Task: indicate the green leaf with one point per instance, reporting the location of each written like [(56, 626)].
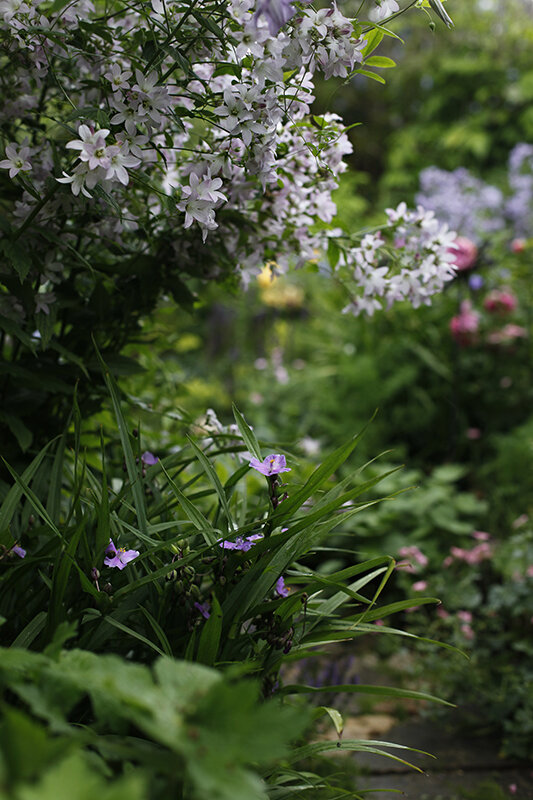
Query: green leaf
[(214, 480), (380, 61), (210, 637), (22, 434), (247, 434), (134, 474), (359, 688), (31, 630), (158, 630), (12, 500), (334, 715), (319, 476), (34, 500), (368, 74), (196, 517)]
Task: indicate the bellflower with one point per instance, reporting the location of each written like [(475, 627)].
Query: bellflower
[(276, 12), (118, 556), (272, 465)]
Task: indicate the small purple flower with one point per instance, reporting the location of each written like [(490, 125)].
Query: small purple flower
[(204, 609), (149, 459), (277, 13), (272, 465), (19, 551), (118, 556), (241, 542), (281, 589), (475, 282)]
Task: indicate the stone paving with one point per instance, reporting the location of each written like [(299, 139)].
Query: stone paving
[(465, 766)]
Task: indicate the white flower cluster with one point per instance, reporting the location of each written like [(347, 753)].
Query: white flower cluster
[(409, 259), (187, 122)]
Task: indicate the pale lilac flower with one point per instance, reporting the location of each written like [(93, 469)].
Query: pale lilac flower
[(149, 459), (272, 465), (17, 160), (204, 609), (18, 550), (118, 159), (281, 589), (117, 78), (276, 12), (384, 9), (243, 543), (118, 556)]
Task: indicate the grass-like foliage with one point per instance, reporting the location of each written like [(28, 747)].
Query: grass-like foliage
[(148, 607)]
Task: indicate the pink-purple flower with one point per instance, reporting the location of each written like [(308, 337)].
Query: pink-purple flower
[(204, 609), (118, 556), (281, 589), (243, 543), (272, 465), (18, 550), (149, 459)]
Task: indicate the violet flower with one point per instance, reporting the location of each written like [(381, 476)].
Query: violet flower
[(204, 609), (281, 589), (272, 465), (243, 543), (149, 459), (19, 551), (118, 556)]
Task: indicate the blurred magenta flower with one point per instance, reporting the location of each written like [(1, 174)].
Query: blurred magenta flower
[(149, 459), (464, 253), (272, 465), (241, 542), (281, 589), (500, 301), (118, 556), (465, 325)]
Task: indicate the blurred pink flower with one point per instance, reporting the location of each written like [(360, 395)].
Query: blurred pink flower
[(529, 571), (467, 631), (473, 434), (465, 325), (442, 613), (411, 552), (513, 788), (465, 616), (500, 301), (507, 334), (521, 520), (518, 245), (464, 252), (481, 536), (420, 586)]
